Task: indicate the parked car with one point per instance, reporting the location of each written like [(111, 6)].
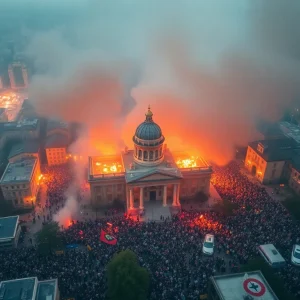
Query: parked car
[(208, 244), (296, 255)]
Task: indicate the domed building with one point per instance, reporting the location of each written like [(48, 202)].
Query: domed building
[(147, 174), (148, 142)]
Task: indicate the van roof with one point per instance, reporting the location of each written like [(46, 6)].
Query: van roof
[(272, 253)]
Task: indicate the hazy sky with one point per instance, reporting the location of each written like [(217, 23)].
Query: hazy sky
[(208, 68)]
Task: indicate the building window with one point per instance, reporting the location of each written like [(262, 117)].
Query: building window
[(156, 153), (160, 152), (151, 155), (145, 155), (273, 173), (109, 198), (140, 154)]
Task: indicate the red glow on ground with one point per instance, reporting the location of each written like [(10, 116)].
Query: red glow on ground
[(206, 223), (68, 223)]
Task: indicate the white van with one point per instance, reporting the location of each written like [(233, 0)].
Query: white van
[(208, 244), (271, 255)]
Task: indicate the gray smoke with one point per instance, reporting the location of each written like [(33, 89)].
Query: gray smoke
[(210, 69)]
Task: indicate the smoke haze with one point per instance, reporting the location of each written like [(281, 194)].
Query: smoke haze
[(209, 69)]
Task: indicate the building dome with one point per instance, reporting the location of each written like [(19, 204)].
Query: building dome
[(148, 140), (148, 131)]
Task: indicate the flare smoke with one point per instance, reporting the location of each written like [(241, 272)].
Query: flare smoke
[(209, 69)]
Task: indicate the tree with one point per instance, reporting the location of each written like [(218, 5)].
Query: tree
[(48, 238), (126, 279), (292, 204)]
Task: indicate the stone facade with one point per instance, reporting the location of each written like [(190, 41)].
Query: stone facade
[(147, 173)]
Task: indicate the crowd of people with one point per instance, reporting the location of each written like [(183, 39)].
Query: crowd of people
[(171, 249)]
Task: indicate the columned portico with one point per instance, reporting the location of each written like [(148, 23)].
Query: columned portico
[(141, 198), (178, 193), (165, 196), (174, 195), (131, 199)]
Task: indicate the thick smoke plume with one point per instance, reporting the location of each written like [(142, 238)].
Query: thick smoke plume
[(65, 216), (209, 69)]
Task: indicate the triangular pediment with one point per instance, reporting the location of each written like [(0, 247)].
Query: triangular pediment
[(156, 175)]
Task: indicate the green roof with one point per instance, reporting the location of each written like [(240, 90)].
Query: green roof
[(47, 289), (8, 226), (18, 289)]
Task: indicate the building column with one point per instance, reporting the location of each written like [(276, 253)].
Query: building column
[(165, 196), (174, 195), (141, 198), (131, 206), (178, 191)]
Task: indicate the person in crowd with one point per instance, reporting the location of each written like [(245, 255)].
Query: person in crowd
[(171, 249)]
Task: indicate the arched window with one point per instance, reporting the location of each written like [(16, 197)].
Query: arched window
[(151, 155), (136, 152), (160, 152), (140, 154), (156, 154), (145, 155)]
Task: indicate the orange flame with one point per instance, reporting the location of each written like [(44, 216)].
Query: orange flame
[(187, 163), (105, 165)]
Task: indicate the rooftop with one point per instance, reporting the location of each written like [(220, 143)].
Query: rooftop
[(296, 160), (237, 286), (47, 290), (56, 124), (276, 149), (290, 130), (124, 165), (18, 289), (134, 171), (25, 147), (12, 103), (24, 124), (270, 130), (19, 171), (56, 141), (106, 165), (8, 226), (185, 161)]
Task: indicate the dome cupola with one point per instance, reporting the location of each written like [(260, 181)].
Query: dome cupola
[(148, 130), (148, 142)]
